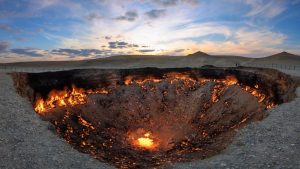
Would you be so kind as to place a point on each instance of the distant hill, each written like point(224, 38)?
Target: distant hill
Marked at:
point(199, 53)
point(280, 58)
point(197, 59)
point(283, 56)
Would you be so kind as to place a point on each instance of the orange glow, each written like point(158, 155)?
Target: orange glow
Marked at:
point(217, 91)
point(63, 98)
point(143, 140)
point(76, 96)
point(39, 107)
point(255, 92)
point(146, 141)
point(230, 80)
point(130, 80)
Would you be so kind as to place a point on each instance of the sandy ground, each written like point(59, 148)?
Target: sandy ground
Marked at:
point(28, 142)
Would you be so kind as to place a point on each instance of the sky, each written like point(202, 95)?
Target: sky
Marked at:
point(32, 30)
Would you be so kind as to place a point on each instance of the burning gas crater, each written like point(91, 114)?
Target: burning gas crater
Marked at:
point(149, 118)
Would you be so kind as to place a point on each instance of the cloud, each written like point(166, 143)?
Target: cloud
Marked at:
point(8, 28)
point(107, 37)
point(121, 45)
point(266, 8)
point(14, 14)
point(4, 45)
point(146, 50)
point(111, 27)
point(168, 3)
point(26, 8)
point(79, 52)
point(29, 52)
point(259, 37)
point(20, 39)
point(179, 50)
point(45, 3)
point(129, 16)
point(155, 13)
point(93, 17)
point(191, 2)
point(188, 26)
point(162, 33)
point(246, 42)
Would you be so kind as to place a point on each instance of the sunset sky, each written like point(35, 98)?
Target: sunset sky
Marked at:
point(33, 30)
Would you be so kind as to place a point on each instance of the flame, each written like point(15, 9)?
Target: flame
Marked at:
point(145, 141)
point(216, 92)
point(255, 92)
point(230, 80)
point(39, 107)
point(77, 96)
point(270, 105)
point(183, 77)
point(63, 98)
point(142, 139)
point(83, 122)
point(131, 80)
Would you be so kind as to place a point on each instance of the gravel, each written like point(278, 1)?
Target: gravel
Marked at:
point(28, 142)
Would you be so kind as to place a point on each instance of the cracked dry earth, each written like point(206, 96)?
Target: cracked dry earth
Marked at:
point(28, 142)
